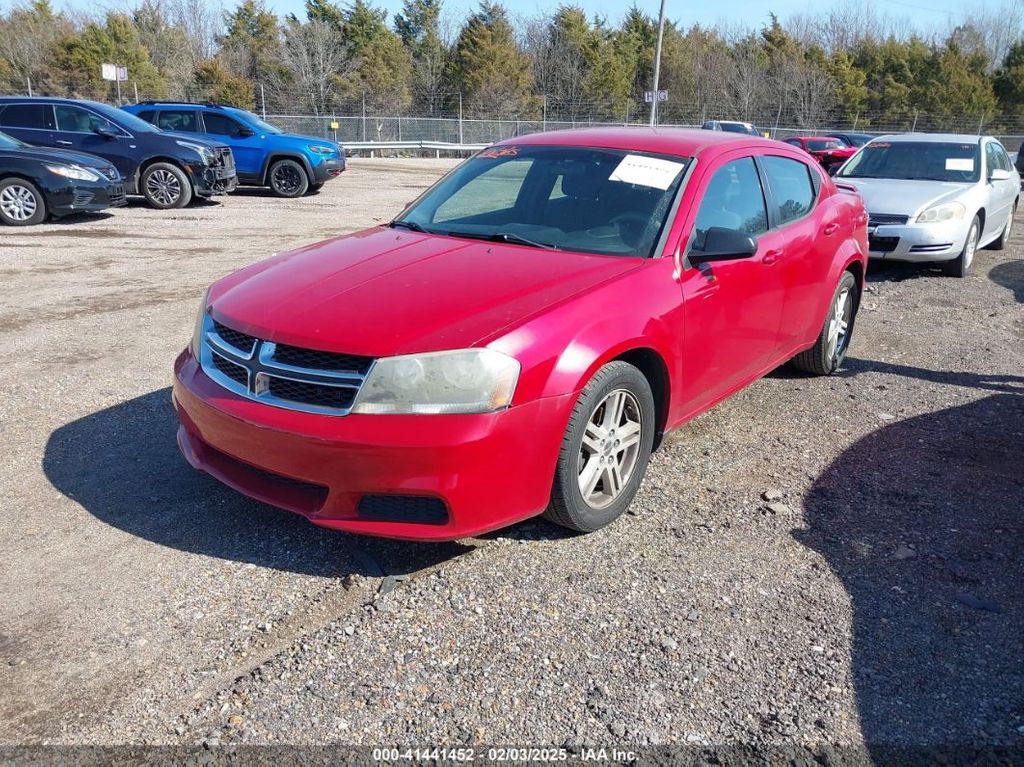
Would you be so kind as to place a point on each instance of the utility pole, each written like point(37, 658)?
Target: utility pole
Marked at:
point(263, 102)
point(544, 112)
point(657, 65)
point(364, 115)
point(460, 118)
point(29, 81)
point(136, 86)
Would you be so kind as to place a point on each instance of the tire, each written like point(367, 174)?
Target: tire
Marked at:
point(961, 265)
point(165, 186)
point(617, 383)
point(315, 188)
point(21, 203)
point(1004, 236)
point(829, 350)
point(288, 179)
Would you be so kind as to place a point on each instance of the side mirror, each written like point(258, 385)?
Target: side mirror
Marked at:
point(108, 134)
point(722, 244)
point(998, 174)
point(246, 133)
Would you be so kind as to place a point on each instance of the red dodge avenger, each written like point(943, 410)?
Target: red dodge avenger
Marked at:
point(524, 334)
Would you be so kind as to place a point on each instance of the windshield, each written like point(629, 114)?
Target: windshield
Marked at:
point(9, 142)
point(261, 126)
point(124, 119)
point(916, 161)
point(858, 139)
point(820, 145)
point(604, 201)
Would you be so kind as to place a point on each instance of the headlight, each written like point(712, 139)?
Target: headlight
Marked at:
point(949, 211)
point(74, 171)
point(465, 381)
point(321, 149)
point(204, 152)
point(197, 331)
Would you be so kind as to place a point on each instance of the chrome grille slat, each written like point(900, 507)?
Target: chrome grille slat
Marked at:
point(248, 366)
point(886, 219)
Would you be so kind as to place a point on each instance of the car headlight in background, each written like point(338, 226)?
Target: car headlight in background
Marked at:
point(76, 172)
point(938, 214)
point(205, 153)
point(463, 381)
point(197, 331)
point(321, 149)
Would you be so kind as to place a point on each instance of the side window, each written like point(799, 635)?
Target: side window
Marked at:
point(147, 115)
point(790, 182)
point(794, 142)
point(39, 116)
point(1004, 159)
point(178, 119)
point(77, 120)
point(496, 189)
point(222, 125)
point(733, 199)
point(991, 157)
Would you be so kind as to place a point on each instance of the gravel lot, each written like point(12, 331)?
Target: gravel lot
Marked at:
point(815, 561)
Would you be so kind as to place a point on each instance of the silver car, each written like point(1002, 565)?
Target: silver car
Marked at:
point(934, 197)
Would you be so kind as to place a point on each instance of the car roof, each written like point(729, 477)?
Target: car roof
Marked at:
point(195, 104)
point(684, 142)
point(50, 100)
point(933, 138)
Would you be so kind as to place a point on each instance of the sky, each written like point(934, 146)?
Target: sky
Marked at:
point(928, 15)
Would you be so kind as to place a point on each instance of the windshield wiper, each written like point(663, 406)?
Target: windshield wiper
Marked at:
point(410, 225)
point(509, 237)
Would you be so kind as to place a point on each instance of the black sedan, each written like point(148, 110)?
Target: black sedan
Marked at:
point(36, 182)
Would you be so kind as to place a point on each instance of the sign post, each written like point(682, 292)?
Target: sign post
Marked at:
point(657, 66)
point(116, 72)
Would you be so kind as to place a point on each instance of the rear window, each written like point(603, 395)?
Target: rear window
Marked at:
point(790, 182)
point(27, 116)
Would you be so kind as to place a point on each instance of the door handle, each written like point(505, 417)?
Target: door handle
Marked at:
point(63, 143)
point(772, 256)
point(830, 229)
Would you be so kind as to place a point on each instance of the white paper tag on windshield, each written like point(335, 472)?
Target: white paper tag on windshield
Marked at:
point(646, 171)
point(959, 163)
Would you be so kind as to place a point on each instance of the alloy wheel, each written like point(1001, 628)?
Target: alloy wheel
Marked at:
point(970, 247)
point(611, 444)
point(163, 187)
point(18, 202)
point(287, 179)
point(839, 325)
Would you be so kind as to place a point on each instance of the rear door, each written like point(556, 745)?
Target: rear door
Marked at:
point(731, 308)
point(32, 122)
point(181, 120)
point(248, 150)
point(77, 129)
point(811, 231)
point(1002, 193)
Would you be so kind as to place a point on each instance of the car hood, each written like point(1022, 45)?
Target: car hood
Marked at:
point(902, 197)
point(300, 142)
point(194, 138)
point(66, 156)
point(383, 292)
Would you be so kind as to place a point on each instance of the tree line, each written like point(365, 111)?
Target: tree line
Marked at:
point(851, 64)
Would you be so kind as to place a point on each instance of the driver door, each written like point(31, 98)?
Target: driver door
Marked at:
point(76, 129)
point(248, 150)
point(732, 309)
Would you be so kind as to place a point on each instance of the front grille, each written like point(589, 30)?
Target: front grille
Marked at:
point(886, 219)
point(883, 244)
point(116, 196)
point(292, 377)
point(241, 341)
point(310, 358)
point(224, 158)
point(423, 509)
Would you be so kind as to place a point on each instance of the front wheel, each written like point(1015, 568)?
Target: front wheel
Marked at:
point(165, 186)
point(21, 203)
point(829, 351)
point(605, 450)
point(1004, 236)
point(288, 179)
point(961, 265)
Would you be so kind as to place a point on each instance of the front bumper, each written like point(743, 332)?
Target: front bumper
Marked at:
point(918, 242)
point(328, 169)
point(85, 197)
point(488, 470)
point(212, 180)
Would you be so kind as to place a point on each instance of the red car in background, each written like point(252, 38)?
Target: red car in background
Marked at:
point(829, 151)
point(522, 336)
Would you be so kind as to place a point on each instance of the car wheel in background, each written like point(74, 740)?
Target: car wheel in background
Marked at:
point(829, 351)
point(165, 186)
point(288, 179)
point(961, 265)
point(1004, 236)
point(605, 450)
point(21, 203)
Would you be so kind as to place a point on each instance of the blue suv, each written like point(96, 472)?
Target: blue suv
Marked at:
point(290, 164)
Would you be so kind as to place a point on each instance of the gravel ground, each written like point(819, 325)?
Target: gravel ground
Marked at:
point(815, 561)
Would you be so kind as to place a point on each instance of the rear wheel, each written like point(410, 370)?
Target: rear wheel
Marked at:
point(165, 186)
point(829, 351)
point(961, 265)
point(605, 450)
point(1004, 236)
point(288, 179)
point(21, 203)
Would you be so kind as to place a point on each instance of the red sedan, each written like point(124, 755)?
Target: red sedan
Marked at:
point(829, 151)
point(521, 338)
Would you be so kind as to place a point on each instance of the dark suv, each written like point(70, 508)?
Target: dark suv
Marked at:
point(166, 168)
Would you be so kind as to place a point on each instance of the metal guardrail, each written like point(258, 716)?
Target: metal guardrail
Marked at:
point(352, 147)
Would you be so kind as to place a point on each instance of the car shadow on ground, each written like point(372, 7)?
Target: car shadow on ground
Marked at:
point(922, 521)
point(123, 466)
point(1010, 274)
point(265, 191)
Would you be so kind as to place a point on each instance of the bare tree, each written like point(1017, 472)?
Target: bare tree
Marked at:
point(202, 21)
point(314, 56)
point(27, 37)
